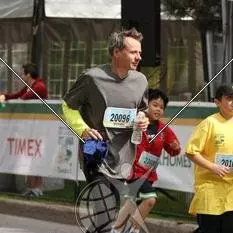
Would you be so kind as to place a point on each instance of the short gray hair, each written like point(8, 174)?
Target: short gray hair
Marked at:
point(116, 39)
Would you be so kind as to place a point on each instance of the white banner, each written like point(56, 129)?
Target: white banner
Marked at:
point(38, 147)
point(48, 148)
point(176, 173)
point(37, 143)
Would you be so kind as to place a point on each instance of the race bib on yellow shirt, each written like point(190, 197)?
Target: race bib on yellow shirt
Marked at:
point(148, 160)
point(119, 117)
point(223, 159)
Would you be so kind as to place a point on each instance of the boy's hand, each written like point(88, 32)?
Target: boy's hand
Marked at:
point(220, 170)
point(175, 145)
point(143, 124)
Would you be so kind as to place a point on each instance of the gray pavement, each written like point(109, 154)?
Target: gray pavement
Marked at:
point(65, 215)
point(15, 224)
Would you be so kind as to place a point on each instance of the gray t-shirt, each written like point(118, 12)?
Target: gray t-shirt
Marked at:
point(94, 91)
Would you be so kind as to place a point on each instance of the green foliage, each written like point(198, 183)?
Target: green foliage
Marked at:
point(206, 13)
point(153, 74)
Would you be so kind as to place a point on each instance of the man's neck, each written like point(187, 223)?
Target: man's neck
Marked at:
point(31, 82)
point(119, 71)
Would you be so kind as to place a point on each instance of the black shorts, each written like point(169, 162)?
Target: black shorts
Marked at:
point(215, 223)
point(141, 189)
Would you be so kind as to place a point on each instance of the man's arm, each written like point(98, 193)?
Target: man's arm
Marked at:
point(15, 95)
point(74, 119)
point(40, 90)
point(76, 122)
point(76, 97)
point(143, 106)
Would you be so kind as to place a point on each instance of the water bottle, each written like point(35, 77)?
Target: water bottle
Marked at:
point(136, 137)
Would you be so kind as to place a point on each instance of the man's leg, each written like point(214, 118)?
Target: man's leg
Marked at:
point(31, 182)
point(38, 185)
point(209, 223)
point(106, 205)
point(34, 186)
point(106, 198)
point(30, 185)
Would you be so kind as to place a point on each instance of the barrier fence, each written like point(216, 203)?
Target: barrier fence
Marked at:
point(34, 142)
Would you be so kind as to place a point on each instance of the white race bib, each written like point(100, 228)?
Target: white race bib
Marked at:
point(224, 159)
point(119, 117)
point(148, 160)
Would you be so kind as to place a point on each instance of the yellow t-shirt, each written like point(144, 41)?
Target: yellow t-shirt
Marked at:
point(213, 194)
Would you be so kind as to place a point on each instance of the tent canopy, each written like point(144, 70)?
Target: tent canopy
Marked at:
point(93, 9)
point(16, 8)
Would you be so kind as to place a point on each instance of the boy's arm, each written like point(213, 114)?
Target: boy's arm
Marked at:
point(204, 163)
point(171, 143)
point(200, 160)
point(196, 147)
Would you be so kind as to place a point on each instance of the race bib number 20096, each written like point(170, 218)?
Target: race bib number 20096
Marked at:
point(119, 117)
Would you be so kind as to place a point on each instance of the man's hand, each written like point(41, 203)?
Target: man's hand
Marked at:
point(2, 98)
point(220, 170)
point(91, 133)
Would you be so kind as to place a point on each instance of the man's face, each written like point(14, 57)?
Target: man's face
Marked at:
point(225, 106)
point(24, 76)
point(130, 56)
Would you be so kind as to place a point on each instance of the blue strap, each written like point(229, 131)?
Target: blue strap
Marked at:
point(95, 151)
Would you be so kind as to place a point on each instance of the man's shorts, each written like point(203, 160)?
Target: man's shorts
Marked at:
point(140, 189)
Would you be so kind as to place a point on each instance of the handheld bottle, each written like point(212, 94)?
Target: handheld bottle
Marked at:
point(136, 137)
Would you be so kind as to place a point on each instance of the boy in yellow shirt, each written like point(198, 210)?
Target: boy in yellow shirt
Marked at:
point(211, 149)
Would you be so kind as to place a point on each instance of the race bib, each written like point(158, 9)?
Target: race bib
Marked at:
point(148, 160)
point(226, 160)
point(119, 117)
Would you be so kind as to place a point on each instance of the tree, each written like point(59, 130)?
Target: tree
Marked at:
point(205, 13)
point(207, 16)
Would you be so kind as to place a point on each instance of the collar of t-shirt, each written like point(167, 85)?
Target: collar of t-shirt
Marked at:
point(152, 129)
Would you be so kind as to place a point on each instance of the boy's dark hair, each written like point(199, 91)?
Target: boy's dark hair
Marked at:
point(156, 94)
point(31, 69)
point(224, 90)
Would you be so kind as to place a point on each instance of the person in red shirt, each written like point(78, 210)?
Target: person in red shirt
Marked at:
point(143, 172)
point(30, 76)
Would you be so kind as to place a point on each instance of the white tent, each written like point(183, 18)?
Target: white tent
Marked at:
point(88, 9)
point(74, 30)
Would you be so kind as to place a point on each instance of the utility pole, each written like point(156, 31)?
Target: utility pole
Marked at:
point(227, 31)
point(38, 35)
